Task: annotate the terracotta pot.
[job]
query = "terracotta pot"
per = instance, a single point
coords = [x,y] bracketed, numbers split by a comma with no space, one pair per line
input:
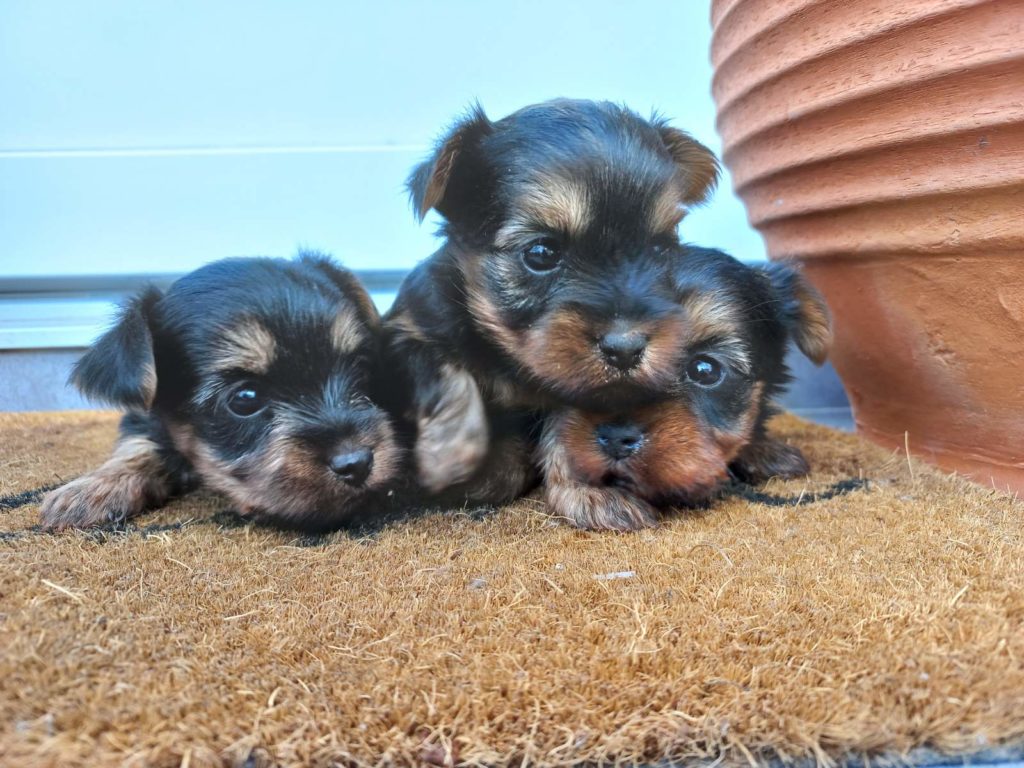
[881,144]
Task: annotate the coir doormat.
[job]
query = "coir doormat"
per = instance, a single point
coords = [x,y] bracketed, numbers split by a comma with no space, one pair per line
[873,609]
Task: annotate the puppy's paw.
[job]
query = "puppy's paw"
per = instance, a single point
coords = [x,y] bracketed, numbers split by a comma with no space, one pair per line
[453,433]
[90,500]
[506,474]
[599,509]
[769,458]
[129,482]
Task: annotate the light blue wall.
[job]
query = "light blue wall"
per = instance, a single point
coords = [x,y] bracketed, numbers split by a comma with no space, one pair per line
[155,136]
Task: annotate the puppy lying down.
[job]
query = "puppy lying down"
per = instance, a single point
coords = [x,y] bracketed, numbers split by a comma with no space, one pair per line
[616,469]
[254,377]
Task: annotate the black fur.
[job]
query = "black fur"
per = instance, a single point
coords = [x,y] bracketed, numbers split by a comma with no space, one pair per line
[116,368]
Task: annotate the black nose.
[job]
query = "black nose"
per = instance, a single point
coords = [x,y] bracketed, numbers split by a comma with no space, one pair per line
[619,441]
[623,350]
[353,466]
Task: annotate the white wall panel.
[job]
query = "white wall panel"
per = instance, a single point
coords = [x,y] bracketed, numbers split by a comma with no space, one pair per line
[154,136]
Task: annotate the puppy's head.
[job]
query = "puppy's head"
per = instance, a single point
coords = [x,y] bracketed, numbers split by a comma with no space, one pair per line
[262,371]
[732,349]
[562,218]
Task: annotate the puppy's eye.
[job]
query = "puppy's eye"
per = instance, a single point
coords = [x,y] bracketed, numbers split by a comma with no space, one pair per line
[705,371]
[246,400]
[542,257]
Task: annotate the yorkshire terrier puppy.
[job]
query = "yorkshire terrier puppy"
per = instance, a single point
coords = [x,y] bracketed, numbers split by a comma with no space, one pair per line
[253,377]
[553,284]
[613,469]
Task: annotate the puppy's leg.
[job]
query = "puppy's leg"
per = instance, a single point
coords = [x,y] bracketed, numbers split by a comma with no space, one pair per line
[509,471]
[143,472]
[451,426]
[586,506]
[767,457]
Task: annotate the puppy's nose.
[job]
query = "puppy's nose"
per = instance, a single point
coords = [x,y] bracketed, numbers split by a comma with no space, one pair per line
[623,349]
[352,466]
[619,441]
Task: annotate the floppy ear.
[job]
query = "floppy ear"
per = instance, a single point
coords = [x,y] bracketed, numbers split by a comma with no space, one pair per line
[428,183]
[119,368]
[802,310]
[698,166]
[347,283]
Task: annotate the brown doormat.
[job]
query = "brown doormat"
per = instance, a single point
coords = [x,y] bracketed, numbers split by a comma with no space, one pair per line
[875,608]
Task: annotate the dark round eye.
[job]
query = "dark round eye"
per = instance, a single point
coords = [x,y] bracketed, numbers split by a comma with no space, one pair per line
[542,257]
[246,401]
[705,371]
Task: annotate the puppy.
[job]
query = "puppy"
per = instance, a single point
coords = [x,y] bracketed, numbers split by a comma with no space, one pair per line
[552,285]
[615,469]
[253,377]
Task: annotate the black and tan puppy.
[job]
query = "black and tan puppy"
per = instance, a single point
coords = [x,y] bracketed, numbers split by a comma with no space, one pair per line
[553,284]
[253,377]
[614,469]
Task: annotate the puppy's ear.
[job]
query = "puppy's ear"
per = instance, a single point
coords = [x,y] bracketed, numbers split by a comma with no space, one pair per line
[698,166]
[802,310]
[428,183]
[119,368]
[347,283]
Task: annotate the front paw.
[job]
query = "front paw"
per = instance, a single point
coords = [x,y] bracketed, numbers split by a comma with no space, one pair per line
[453,434]
[769,458]
[599,509]
[89,501]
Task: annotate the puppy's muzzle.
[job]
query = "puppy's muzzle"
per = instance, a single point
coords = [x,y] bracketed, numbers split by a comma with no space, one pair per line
[619,441]
[352,467]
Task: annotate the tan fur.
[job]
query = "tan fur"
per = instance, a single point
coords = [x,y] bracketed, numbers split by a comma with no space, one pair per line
[813,335]
[680,458]
[555,202]
[698,167]
[452,439]
[515,231]
[440,173]
[348,332]
[216,474]
[482,309]
[126,484]
[732,441]
[709,318]
[667,211]
[582,504]
[661,359]
[402,324]
[149,383]
[248,346]
[564,351]
[361,297]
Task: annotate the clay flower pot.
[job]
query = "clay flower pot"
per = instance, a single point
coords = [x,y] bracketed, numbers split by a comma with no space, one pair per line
[881,144]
